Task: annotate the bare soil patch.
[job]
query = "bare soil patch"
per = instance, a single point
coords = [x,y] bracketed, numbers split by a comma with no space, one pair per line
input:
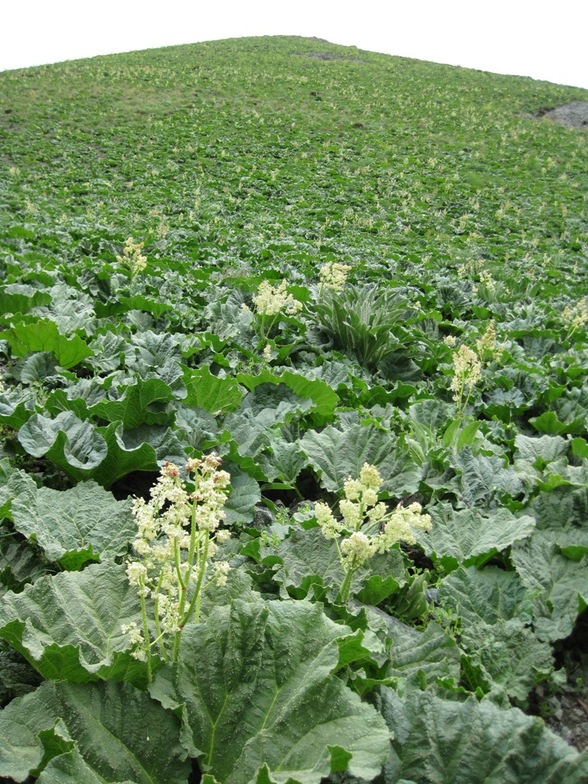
[574,115]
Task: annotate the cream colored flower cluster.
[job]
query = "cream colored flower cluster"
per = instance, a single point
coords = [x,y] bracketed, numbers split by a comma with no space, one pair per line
[273,300]
[333,275]
[132,256]
[486,346]
[366,525]
[575,316]
[467,370]
[177,537]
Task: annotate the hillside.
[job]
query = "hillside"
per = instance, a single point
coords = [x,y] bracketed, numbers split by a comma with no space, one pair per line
[362,282]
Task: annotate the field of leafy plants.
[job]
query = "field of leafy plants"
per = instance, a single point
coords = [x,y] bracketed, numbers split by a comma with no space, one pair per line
[294,418]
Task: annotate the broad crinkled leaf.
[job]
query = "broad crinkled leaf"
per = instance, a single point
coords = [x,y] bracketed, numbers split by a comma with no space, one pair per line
[211,393]
[563,513]
[144,403]
[256,688]
[308,558]
[37,367]
[337,454]
[43,335]
[482,478]
[83,518]
[489,595]
[438,741]
[507,657]
[270,404]
[69,625]
[549,423]
[324,398]
[71,309]
[469,536]
[91,732]
[543,450]
[126,453]
[561,584]
[243,496]
[16,408]
[20,302]
[13,482]
[19,563]
[74,445]
[285,461]
[103,454]
[416,656]
[156,352]
[495,612]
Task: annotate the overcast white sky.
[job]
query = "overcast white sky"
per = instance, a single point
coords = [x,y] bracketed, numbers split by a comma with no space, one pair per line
[538,38]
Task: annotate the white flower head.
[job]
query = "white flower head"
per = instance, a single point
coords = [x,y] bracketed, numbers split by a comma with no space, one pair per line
[330,527]
[467,370]
[333,275]
[370,477]
[357,549]
[272,300]
[132,256]
[175,540]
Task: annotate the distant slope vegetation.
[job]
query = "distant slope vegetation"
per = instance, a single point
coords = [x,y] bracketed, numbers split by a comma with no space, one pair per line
[276,148]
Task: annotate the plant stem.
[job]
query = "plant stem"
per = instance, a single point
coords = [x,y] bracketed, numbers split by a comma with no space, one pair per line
[146,637]
[346,586]
[158,632]
[194,607]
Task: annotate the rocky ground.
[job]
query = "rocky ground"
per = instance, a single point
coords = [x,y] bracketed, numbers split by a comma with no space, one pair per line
[574,115]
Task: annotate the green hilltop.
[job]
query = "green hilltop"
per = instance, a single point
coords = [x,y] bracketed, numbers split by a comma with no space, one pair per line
[256,149]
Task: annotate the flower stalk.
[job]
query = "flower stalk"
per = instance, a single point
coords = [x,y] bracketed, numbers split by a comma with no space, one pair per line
[177,539]
[271,302]
[365,526]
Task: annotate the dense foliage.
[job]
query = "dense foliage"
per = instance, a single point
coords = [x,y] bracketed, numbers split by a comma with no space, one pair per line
[322,265]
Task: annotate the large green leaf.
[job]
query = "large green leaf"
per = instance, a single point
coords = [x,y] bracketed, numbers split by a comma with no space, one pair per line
[561,584]
[43,335]
[142,449]
[285,461]
[90,733]
[68,524]
[421,656]
[540,451]
[255,687]
[17,302]
[337,454]
[307,559]
[19,563]
[549,423]
[490,595]
[438,741]
[244,495]
[12,483]
[495,612]
[143,403]
[563,513]
[483,478]
[211,393]
[470,536]
[104,454]
[16,408]
[322,395]
[72,444]
[69,625]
